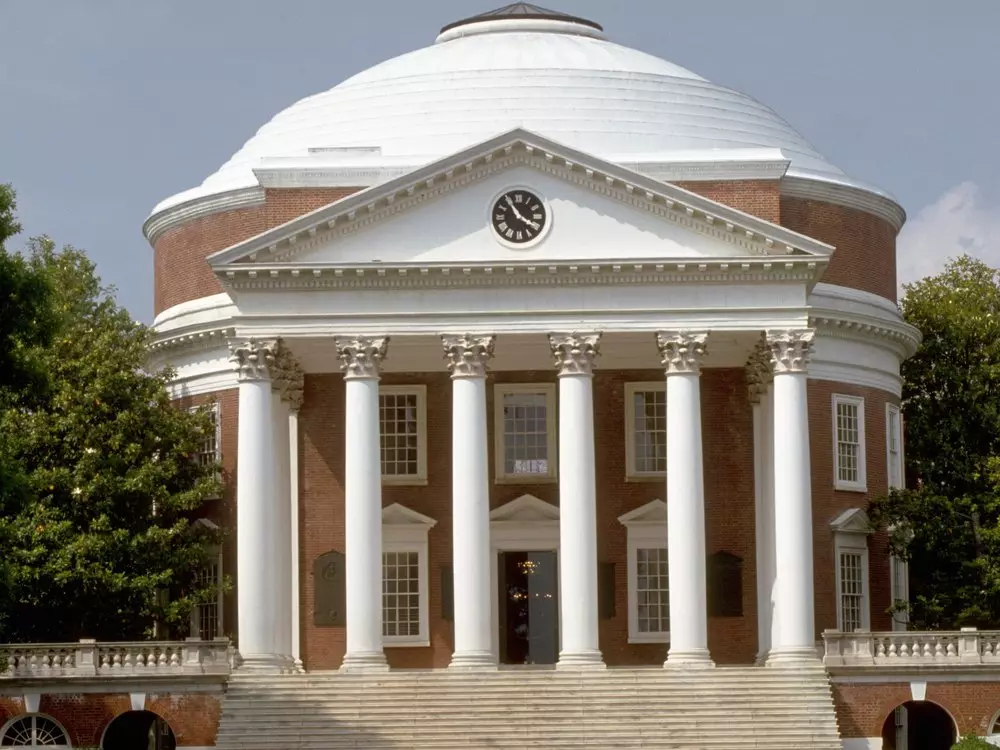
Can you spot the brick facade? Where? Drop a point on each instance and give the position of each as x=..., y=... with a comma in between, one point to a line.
x=729, y=493
x=193, y=717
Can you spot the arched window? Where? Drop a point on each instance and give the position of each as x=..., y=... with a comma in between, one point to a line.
x=33, y=730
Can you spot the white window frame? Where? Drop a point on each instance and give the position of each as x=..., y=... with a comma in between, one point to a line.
x=631, y=473
x=850, y=535
x=405, y=530
x=213, y=407
x=899, y=569
x=646, y=529
x=899, y=588
x=420, y=478
x=861, y=484
x=196, y=612
x=33, y=716
x=499, y=434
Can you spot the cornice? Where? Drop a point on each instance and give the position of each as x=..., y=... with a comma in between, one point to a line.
x=193, y=340
x=902, y=337
x=161, y=221
x=277, y=276
x=844, y=195
x=752, y=235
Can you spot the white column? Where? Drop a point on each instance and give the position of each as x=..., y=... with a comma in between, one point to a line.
x=758, y=382
x=470, y=486
x=293, y=457
x=258, y=582
x=578, y=617
x=282, y=528
x=360, y=361
x=794, y=638
x=681, y=353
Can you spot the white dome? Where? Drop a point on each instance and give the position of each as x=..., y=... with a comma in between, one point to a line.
x=553, y=75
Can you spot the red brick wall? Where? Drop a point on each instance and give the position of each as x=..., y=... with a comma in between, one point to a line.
x=865, y=257
x=862, y=708
x=761, y=198
x=223, y=510
x=828, y=503
x=193, y=717
x=729, y=504
x=179, y=269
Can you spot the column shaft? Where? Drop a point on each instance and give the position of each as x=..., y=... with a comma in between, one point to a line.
x=472, y=592
x=795, y=636
x=363, y=504
x=282, y=529
x=293, y=456
x=682, y=354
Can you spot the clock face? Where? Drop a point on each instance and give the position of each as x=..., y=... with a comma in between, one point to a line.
x=519, y=216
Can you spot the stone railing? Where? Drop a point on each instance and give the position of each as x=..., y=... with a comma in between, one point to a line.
x=944, y=648
x=88, y=658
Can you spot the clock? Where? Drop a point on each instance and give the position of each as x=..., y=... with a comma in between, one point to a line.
x=519, y=216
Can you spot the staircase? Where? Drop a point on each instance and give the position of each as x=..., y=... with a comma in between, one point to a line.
x=726, y=708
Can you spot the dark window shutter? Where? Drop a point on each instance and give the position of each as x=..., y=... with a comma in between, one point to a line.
x=447, y=593
x=331, y=590
x=606, y=590
x=725, y=585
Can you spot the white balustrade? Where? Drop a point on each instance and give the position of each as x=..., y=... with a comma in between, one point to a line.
x=89, y=659
x=955, y=648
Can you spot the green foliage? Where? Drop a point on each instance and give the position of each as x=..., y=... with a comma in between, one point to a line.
x=972, y=742
x=104, y=526
x=947, y=523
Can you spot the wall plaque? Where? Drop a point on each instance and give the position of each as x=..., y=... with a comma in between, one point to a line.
x=331, y=590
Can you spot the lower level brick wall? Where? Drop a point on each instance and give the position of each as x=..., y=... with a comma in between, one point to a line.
x=193, y=717
x=863, y=707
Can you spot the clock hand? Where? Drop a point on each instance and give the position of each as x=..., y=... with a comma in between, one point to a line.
x=514, y=209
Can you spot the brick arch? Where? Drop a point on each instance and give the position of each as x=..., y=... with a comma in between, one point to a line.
x=84, y=715
x=949, y=711
x=194, y=718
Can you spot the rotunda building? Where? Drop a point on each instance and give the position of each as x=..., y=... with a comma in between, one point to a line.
x=528, y=348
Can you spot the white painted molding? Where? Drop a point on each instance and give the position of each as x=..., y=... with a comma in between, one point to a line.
x=32, y=702
x=137, y=701
x=918, y=690
x=160, y=221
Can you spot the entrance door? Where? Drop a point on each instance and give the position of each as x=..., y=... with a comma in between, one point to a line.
x=528, y=607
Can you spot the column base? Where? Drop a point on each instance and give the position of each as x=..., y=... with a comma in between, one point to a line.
x=580, y=660
x=698, y=658
x=298, y=667
x=473, y=660
x=373, y=661
x=790, y=656
x=266, y=664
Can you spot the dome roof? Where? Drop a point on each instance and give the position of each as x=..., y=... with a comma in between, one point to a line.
x=521, y=66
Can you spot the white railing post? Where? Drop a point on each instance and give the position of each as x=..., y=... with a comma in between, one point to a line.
x=85, y=657
x=969, y=651
x=191, y=654
x=833, y=655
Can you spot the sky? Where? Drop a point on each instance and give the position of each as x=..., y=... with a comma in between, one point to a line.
x=109, y=106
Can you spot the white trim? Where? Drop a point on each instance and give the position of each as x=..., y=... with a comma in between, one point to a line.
x=405, y=530
x=169, y=213
x=850, y=535
x=859, y=484
x=870, y=201
x=631, y=473
x=647, y=529
x=526, y=524
x=499, y=433
x=420, y=391
x=894, y=463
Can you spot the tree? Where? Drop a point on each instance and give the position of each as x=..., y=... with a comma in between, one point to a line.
x=111, y=472
x=947, y=523
x=972, y=742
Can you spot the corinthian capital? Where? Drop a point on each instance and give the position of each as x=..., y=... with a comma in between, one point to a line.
x=468, y=355
x=681, y=351
x=288, y=378
x=575, y=353
x=758, y=369
x=791, y=349
x=361, y=357
x=254, y=359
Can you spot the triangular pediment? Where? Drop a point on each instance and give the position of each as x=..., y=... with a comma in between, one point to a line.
x=653, y=512
x=851, y=521
x=441, y=213
x=525, y=509
x=400, y=515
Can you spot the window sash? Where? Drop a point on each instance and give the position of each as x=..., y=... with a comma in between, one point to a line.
x=652, y=591
x=403, y=434
x=645, y=430
x=401, y=595
x=851, y=578
x=525, y=432
x=849, y=443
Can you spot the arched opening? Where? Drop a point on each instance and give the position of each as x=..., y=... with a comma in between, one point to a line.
x=918, y=725
x=33, y=730
x=138, y=730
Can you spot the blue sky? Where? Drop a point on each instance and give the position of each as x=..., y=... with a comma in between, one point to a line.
x=111, y=105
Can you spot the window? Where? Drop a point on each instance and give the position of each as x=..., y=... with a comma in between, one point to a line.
x=208, y=451
x=645, y=430
x=206, y=617
x=403, y=432
x=33, y=730
x=525, y=430
x=850, y=531
x=894, y=446
x=899, y=585
x=849, y=443
x=405, y=597
x=648, y=574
